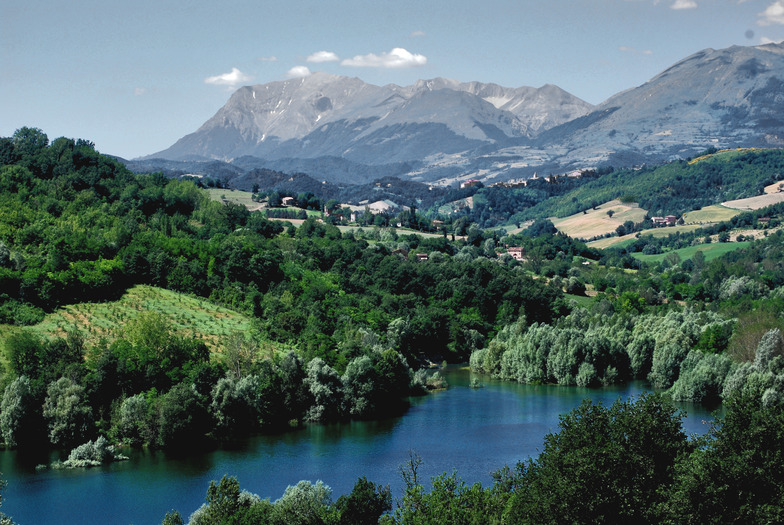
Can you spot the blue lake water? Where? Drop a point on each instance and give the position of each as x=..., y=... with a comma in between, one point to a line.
x=472, y=431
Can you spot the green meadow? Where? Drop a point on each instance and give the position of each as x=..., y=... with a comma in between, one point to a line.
x=710, y=251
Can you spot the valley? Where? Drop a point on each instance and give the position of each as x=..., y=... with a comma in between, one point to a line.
x=184, y=309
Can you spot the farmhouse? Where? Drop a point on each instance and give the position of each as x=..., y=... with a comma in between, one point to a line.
x=517, y=252
x=668, y=220
x=468, y=183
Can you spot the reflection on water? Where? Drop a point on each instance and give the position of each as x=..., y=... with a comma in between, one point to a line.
x=472, y=431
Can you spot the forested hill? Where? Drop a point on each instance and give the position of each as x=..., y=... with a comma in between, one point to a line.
x=341, y=323
x=77, y=226
x=680, y=186
x=673, y=188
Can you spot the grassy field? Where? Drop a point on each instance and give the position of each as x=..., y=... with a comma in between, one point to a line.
x=597, y=222
x=615, y=242
x=235, y=196
x=709, y=214
x=189, y=316
x=670, y=230
x=581, y=300
x=710, y=251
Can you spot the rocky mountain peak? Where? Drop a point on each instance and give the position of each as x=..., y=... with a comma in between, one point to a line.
x=443, y=128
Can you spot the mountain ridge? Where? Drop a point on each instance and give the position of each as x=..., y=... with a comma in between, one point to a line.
x=449, y=130
x=263, y=119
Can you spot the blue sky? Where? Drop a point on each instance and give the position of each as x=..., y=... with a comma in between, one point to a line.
x=135, y=75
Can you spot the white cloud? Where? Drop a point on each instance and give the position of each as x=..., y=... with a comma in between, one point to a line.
x=323, y=56
x=765, y=40
x=774, y=14
x=139, y=91
x=684, y=4
x=298, y=72
x=229, y=79
x=416, y=34
x=397, y=58
x=268, y=59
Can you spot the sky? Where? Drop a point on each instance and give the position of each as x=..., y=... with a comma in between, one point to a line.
x=133, y=76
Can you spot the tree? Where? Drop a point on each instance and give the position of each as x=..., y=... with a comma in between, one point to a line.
x=20, y=420
x=69, y=417
x=274, y=200
x=182, y=419
x=359, y=382
x=26, y=352
x=303, y=504
x=228, y=505
x=699, y=260
x=151, y=331
x=735, y=476
x=236, y=405
x=173, y=518
x=366, y=503
x=295, y=394
x=7, y=153
x=29, y=142
x=327, y=391
x=239, y=353
x=134, y=425
x=605, y=465
x=5, y=255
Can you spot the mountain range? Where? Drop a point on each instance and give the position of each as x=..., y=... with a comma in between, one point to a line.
x=344, y=130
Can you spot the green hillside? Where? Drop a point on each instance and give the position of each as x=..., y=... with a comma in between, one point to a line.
x=673, y=188
x=187, y=315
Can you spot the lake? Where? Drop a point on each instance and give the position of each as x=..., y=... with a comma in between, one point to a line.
x=472, y=431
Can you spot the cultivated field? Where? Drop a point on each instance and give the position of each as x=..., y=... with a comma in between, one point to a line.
x=189, y=316
x=776, y=187
x=755, y=203
x=597, y=222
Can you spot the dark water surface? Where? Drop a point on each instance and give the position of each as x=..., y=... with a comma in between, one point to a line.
x=472, y=431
